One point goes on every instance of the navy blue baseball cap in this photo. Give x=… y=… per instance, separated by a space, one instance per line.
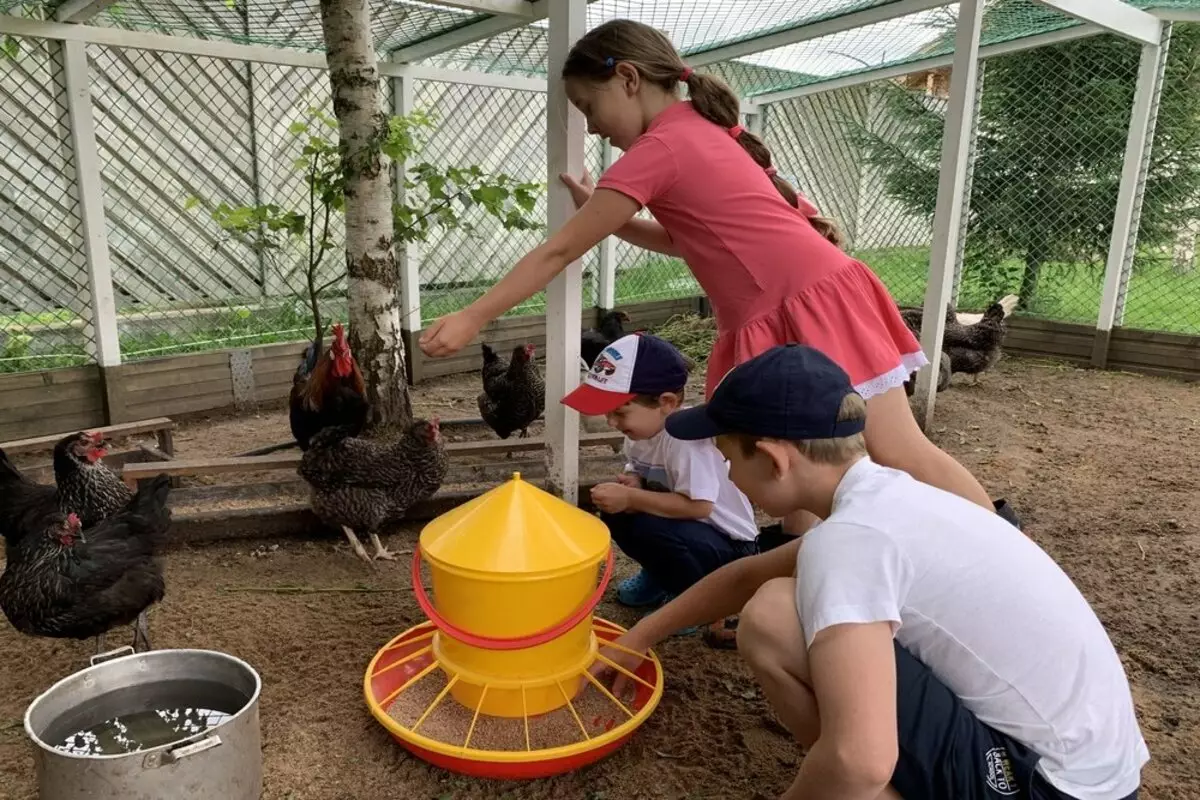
x=790 y=392
x=635 y=364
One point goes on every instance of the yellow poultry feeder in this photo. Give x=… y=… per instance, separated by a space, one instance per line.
x=499 y=682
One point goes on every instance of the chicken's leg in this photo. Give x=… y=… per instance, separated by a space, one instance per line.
x=359 y=550
x=380 y=550
x=141 y=632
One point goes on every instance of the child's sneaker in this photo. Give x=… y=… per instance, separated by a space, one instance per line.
x=640 y=591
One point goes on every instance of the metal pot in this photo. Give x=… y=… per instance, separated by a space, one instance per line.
x=224 y=761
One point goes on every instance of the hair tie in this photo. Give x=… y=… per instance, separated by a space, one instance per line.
x=771 y=171
x=736 y=131
x=609 y=62
x=685 y=74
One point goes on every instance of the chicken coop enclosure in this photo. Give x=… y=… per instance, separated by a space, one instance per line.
x=1044 y=148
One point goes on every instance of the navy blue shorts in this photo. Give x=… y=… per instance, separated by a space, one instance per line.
x=946 y=753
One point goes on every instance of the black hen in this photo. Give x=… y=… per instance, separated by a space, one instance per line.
x=514 y=393
x=594 y=340
x=976 y=348
x=362 y=484
x=63 y=582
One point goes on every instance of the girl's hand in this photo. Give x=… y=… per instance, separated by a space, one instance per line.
x=449 y=334
x=581 y=191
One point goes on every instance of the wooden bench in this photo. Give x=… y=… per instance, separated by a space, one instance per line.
x=162 y=427
x=212 y=466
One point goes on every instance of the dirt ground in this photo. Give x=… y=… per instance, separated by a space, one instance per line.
x=1103 y=467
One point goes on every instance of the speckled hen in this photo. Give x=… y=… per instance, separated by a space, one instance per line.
x=361 y=484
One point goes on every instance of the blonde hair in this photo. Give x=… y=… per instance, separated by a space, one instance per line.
x=650 y=52
x=827 y=451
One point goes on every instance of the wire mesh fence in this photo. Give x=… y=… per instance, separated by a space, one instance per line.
x=822 y=144
x=1163 y=289
x=44 y=294
x=212 y=223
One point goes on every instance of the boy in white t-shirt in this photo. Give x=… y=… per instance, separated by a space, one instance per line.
x=915 y=644
x=674 y=510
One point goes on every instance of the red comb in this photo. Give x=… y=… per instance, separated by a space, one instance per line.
x=73 y=519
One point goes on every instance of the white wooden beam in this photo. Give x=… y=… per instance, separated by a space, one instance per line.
x=507 y=8
x=469 y=34
x=565 y=143
x=136 y=40
x=606 y=274
x=1132 y=190
x=960 y=252
x=408 y=254
x=1177 y=14
x=106 y=343
x=921 y=65
x=1114 y=16
x=464 y=76
x=947 y=219
x=815 y=30
x=81 y=10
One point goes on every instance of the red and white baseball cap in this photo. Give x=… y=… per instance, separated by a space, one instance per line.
x=639 y=363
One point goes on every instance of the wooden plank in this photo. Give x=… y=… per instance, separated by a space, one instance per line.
x=204 y=402
x=176 y=391
x=1177 y=359
x=173 y=363
x=53 y=422
x=1158 y=337
x=185 y=376
x=91 y=407
x=109 y=431
x=290 y=460
x=40 y=395
x=297 y=520
x=49 y=377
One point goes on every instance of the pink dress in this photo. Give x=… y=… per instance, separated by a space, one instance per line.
x=770 y=276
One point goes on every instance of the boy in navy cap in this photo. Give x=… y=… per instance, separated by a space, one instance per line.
x=916 y=645
x=674 y=510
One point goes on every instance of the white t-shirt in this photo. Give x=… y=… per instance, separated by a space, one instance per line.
x=988 y=611
x=698 y=470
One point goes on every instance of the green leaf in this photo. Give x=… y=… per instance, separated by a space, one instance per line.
x=297 y=128
x=11 y=47
x=191 y=202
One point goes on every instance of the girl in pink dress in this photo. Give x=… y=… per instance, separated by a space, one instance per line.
x=769 y=263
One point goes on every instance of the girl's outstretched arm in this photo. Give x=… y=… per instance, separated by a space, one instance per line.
x=602 y=215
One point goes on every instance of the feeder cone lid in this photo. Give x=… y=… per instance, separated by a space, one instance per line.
x=516 y=529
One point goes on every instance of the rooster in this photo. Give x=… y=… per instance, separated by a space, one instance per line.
x=362 y=484
x=593 y=341
x=514 y=393
x=327 y=391
x=64 y=582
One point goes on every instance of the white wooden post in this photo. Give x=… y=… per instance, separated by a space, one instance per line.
x=606 y=275
x=565 y=142
x=972 y=153
x=754 y=119
x=947 y=219
x=408 y=254
x=105 y=344
x=1128 y=214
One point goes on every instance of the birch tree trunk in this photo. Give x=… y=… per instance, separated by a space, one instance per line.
x=370 y=261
